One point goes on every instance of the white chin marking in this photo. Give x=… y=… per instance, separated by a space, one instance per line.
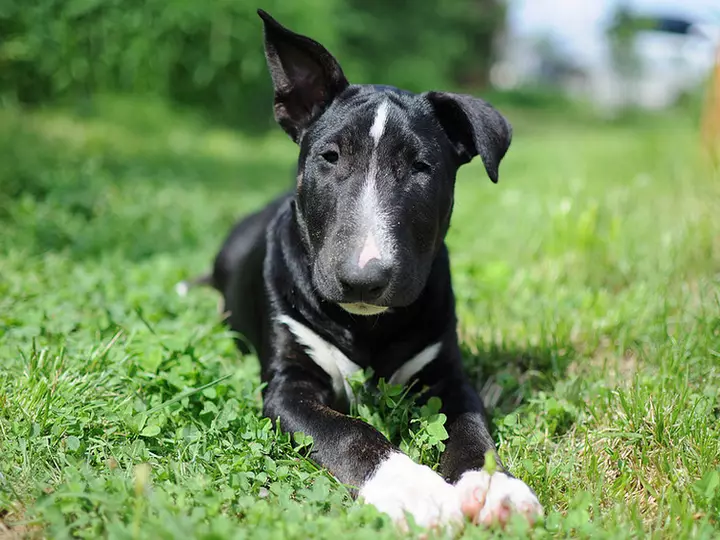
x=400 y=486
x=488 y=500
x=360 y=308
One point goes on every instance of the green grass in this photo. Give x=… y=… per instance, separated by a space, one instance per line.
x=588 y=286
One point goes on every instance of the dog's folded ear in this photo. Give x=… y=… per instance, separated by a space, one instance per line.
x=305 y=76
x=474 y=128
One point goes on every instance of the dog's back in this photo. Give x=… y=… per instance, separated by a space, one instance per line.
x=246 y=236
x=238 y=274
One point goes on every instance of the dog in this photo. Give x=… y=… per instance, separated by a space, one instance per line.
x=350 y=271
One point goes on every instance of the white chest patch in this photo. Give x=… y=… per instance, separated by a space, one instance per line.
x=339 y=367
x=413 y=366
x=333 y=362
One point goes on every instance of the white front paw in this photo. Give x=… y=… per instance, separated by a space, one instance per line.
x=492 y=499
x=401 y=486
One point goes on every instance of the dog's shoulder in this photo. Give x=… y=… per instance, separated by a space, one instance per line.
x=246 y=238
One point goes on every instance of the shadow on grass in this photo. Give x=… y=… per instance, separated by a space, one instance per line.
x=507 y=376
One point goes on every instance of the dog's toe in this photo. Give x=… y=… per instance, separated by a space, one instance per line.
x=491 y=499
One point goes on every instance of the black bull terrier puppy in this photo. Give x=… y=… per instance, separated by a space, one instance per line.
x=351 y=271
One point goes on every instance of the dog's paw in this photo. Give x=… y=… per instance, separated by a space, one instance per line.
x=489 y=499
x=400 y=486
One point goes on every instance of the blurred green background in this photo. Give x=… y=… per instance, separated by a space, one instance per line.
x=208 y=54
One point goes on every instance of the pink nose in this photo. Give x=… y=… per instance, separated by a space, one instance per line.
x=369 y=251
x=363 y=284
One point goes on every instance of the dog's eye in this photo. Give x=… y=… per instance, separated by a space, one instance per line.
x=419 y=167
x=331 y=156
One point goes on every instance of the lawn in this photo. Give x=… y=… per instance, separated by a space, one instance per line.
x=588 y=287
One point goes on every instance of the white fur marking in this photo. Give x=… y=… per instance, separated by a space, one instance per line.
x=413 y=366
x=488 y=499
x=182 y=288
x=378 y=126
x=373 y=218
x=372 y=215
x=369 y=252
x=400 y=485
x=333 y=362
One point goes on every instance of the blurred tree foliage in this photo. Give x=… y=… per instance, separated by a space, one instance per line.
x=208 y=53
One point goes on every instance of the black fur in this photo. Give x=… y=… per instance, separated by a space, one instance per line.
x=295 y=257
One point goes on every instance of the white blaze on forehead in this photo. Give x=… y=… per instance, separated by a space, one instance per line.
x=378 y=126
x=373 y=218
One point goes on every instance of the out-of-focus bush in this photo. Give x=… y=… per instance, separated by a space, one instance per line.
x=209 y=52
x=420 y=45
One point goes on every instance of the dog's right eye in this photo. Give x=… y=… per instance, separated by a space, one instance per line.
x=331 y=156
x=420 y=167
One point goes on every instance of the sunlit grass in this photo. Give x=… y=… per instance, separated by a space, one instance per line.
x=587 y=285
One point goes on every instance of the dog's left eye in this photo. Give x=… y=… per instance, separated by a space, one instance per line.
x=419 y=167
x=331 y=156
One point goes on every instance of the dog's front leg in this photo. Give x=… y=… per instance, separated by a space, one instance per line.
x=485 y=497
x=357 y=454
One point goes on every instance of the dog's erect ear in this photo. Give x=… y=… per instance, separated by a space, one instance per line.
x=306 y=77
x=474 y=128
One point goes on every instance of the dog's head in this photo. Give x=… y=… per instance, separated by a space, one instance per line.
x=376 y=171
